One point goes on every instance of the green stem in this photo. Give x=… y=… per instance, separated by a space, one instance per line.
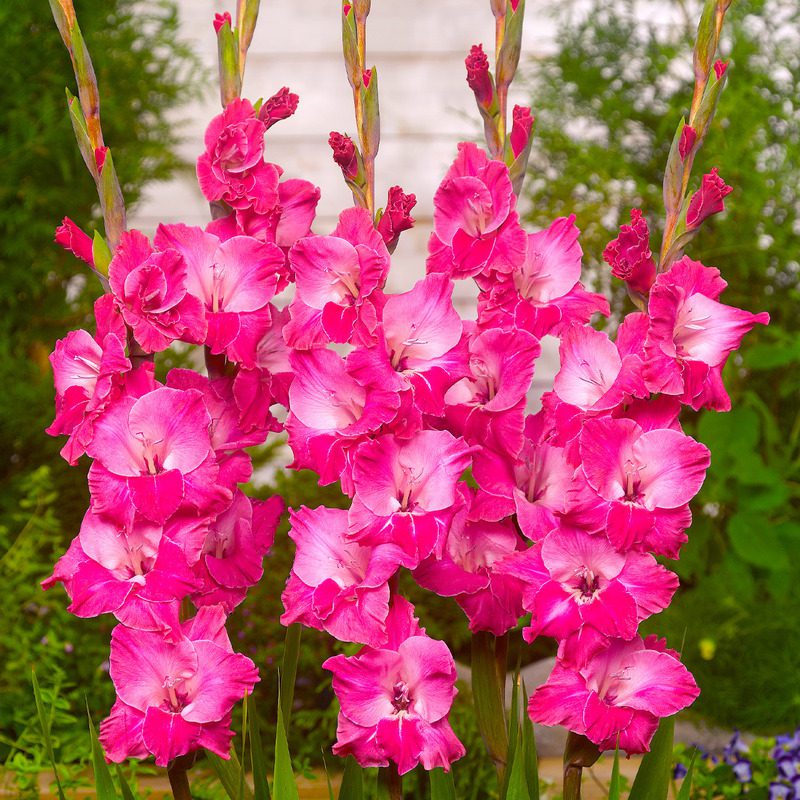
x=178 y=774
x=488 y=694
x=390 y=783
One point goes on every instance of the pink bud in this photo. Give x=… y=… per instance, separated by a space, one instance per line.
x=629 y=255
x=72 y=238
x=366 y=77
x=397 y=216
x=221 y=19
x=344 y=153
x=280 y=106
x=521 y=129
x=514 y=4
x=478 y=77
x=719 y=68
x=346 y=8
x=688 y=138
x=100 y=154
x=707 y=200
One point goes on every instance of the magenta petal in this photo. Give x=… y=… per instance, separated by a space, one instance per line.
x=602 y=721
x=560 y=700
x=400 y=739
x=430 y=673
x=120 y=734
x=167 y=735
x=157 y=497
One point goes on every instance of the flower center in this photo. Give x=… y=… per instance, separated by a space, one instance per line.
x=401 y=699
x=150 y=454
x=585 y=585
x=217 y=289
x=633 y=481
x=176 y=699
x=404 y=491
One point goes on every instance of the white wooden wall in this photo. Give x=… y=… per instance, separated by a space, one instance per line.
x=419 y=48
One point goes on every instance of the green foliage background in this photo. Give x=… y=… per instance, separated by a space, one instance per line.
x=607 y=105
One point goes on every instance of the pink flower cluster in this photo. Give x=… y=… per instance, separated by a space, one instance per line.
x=168 y=527
x=422 y=417
x=398 y=398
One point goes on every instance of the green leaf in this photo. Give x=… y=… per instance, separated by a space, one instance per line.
x=291 y=653
x=513 y=734
x=242 y=781
x=517 y=784
x=614 y=786
x=352 y=787
x=101 y=253
x=127 y=792
x=757 y=542
x=103 y=783
x=257 y=762
x=284 y=786
x=227 y=771
x=487 y=695
x=44 y=724
x=653 y=777
x=442 y=786
x=331 y=795
x=531 y=759
x=686 y=787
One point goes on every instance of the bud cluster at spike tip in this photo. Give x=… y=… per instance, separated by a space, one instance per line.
x=396 y=397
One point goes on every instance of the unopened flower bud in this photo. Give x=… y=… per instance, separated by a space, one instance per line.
x=707 y=200
x=280 y=106
x=687 y=142
x=397 y=216
x=221 y=19
x=520 y=129
x=72 y=238
x=719 y=68
x=344 y=154
x=478 y=77
x=629 y=255
x=100 y=154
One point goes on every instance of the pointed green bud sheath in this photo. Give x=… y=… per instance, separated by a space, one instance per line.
x=64 y=16
x=350 y=46
x=706 y=44
x=361 y=9
x=110 y=197
x=87 y=86
x=708 y=105
x=372 y=117
x=508 y=57
x=498 y=8
x=246 y=16
x=230 y=84
x=81 y=133
x=673 y=174
x=101 y=253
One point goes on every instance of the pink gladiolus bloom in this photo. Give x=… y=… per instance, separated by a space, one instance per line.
x=623 y=691
x=642 y=481
x=153 y=455
x=475 y=224
x=234 y=549
x=629 y=255
x=336 y=277
x=332 y=413
x=175 y=697
x=88 y=375
x=138 y=572
x=467 y=571
x=395 y=700
x=533 y=485
x=406 y=491
x=707 y=200
x=488 y=407
x=423 y=347
x=692 y=334
x=543 y=293
x=234 y=280
x=336 y=584
x=232 y=168
x=151 y=289
x=72 y=238
x=583 y=592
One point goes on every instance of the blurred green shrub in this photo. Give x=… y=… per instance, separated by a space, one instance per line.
x=144 y=71
x=607 y=104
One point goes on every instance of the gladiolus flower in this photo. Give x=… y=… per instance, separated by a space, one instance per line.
x=629 y=255
x=478 y=77
x=707 y=200
x=280 y=106
x=396 y=217
x=72 y=238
